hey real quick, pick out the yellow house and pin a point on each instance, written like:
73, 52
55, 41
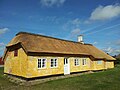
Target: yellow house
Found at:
31, 55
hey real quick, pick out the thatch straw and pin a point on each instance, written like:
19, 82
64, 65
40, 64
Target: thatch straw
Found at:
40, 43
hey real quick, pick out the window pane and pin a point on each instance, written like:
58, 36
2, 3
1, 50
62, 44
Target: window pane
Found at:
77, 62
39, 63
44, 60
99, 62
55, 60
83, 61
15, 52
55, 63
51, 60
51, 64
43, 65
64, 61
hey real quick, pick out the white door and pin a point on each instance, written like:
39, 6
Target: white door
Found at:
66, 66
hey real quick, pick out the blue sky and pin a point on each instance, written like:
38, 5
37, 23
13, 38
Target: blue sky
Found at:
97, 20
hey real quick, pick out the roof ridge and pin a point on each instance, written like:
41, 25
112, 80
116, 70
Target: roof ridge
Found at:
54, 45
51, 37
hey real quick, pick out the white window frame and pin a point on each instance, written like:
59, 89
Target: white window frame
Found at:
99, 62
77, 62
84, 61
54, 66
41, 62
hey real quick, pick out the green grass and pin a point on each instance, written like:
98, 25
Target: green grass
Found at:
105, 80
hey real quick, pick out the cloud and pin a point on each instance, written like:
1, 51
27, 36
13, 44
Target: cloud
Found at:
50, 3
75, 32
105, 12
106, 28
94, 43
73, 23
76, 22
112, 51
3, 30
112, 47
41, 33
73, 27
72, 34
2, 44
87, 22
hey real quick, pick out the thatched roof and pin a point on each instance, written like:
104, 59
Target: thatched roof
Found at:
45, 44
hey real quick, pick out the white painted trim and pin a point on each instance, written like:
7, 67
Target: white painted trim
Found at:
41, 64
99, 61
78, 61
56, 63
85, 61
68, 66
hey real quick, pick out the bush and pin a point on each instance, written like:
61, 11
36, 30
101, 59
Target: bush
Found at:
117, 61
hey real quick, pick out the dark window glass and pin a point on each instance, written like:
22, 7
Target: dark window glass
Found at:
53, 62
64, 61
39, 63
15, 53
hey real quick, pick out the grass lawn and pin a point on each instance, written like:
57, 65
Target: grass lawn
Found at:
105, 80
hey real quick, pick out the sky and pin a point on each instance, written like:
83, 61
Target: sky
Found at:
97, 20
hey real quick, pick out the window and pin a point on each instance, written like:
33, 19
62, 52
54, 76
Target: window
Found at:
41, 63
15, 53
54, 62
84, 62
76, 62
99, 62
65, 61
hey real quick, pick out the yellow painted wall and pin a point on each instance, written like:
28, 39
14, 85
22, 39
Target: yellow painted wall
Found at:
97, 66
105, 65
27, 66
80, 67
109, 64
16, 65
33, 70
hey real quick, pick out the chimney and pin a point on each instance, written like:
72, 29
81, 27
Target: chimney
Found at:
80, 39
